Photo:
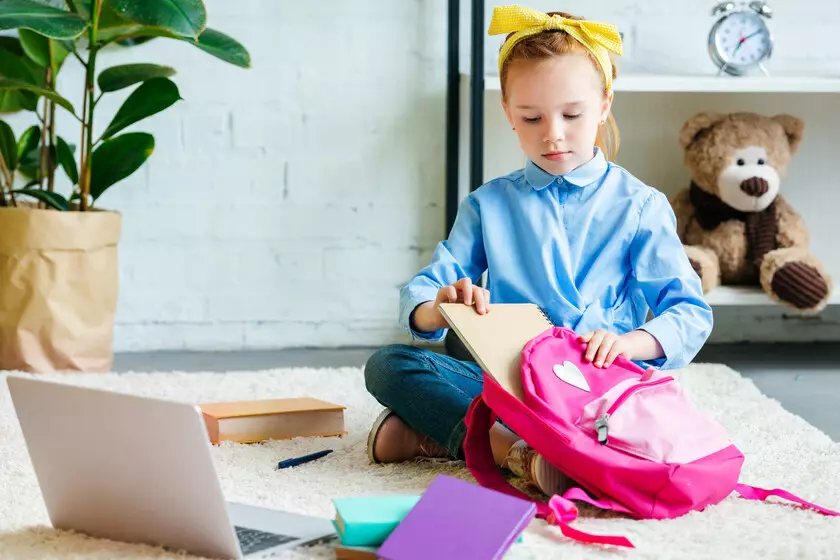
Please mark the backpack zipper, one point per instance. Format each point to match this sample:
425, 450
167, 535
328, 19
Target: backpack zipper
601, 423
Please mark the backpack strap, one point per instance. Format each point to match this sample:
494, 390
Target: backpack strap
580, 495
752, 493
479, 458
564, 511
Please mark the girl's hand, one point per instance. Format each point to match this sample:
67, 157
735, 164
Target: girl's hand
427, 316
464, 291
603, 347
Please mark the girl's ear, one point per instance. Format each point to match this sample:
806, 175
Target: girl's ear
606, 105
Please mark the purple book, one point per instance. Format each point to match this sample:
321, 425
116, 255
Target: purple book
455, 519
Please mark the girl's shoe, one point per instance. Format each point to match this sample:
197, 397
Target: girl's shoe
526, 463
393, 441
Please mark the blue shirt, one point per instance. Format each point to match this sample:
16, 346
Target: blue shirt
595, 248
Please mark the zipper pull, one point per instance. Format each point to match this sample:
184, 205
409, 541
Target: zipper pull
601, 428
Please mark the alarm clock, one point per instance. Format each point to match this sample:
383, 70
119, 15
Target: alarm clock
740, 40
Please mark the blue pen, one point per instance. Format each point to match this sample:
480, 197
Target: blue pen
305, 459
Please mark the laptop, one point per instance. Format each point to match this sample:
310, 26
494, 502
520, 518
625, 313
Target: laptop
140, 470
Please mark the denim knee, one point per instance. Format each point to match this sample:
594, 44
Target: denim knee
384, 367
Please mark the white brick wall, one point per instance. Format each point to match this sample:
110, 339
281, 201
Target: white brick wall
285, 204
670, 37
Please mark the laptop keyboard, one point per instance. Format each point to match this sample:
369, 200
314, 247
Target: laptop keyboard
252, 540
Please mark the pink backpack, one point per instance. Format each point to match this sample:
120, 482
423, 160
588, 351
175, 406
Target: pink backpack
629, 437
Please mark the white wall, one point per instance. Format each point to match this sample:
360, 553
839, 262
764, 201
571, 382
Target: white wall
285, 204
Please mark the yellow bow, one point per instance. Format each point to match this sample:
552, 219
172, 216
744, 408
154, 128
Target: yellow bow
524, 22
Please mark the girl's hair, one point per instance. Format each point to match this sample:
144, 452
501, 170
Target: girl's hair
556, 43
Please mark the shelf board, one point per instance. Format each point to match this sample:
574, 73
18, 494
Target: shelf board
747, 295
658, 83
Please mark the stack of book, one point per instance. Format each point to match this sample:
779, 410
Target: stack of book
452, 519
364, 522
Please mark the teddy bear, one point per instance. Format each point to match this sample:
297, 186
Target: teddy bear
736, 227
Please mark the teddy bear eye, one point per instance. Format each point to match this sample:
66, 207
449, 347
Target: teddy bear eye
760, 161
740, 161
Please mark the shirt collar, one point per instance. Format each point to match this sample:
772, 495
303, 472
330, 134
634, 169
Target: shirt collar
584, 175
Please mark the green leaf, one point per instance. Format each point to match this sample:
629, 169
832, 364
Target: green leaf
81, 7
53, 199
64, 155
131, 31
224, 48
29, 140
46, 20
43, 50
36, 46
118, 158
182, 17
151, 97
8, 146
119, 77
211, 41
12, 67
11, 44
134, 41
15, 85
30, 165
29, 153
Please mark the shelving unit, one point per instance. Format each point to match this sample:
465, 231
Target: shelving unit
650, 109
746, 296
658, 83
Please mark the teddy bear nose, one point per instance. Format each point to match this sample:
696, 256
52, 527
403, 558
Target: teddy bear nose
755, 186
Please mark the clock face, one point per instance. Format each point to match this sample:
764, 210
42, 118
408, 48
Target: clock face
742, 39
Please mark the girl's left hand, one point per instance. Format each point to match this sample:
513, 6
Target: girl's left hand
603, 347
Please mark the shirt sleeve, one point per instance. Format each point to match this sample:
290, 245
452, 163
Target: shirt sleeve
461, 255
682, 319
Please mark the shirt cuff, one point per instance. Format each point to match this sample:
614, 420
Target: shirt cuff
666, 334
414, 298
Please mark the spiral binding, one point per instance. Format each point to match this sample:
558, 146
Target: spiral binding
547, 316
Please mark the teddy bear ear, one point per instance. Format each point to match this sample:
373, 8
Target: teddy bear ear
696, 125
794, 129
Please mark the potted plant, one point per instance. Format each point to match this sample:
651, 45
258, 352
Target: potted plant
58, 251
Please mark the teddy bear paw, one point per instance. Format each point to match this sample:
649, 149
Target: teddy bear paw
800, 285
698, 268
705, 263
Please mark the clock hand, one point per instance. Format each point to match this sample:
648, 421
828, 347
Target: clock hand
743, 40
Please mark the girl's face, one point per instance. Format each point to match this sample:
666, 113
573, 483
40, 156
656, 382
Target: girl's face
556, 106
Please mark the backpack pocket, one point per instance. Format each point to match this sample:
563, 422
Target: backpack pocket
653, 420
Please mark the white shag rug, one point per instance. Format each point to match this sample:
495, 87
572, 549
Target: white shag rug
782, 450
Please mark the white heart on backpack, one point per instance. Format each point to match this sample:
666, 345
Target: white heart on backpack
570, 373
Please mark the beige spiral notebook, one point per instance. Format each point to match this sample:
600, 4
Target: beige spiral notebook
496, 339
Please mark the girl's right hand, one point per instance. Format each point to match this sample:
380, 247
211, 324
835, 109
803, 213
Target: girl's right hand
427, 316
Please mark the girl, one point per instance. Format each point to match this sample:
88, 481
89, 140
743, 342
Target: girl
574, 233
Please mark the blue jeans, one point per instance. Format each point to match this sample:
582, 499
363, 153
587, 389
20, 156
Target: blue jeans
431, 392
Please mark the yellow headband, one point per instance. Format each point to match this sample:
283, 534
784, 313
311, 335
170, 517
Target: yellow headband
525, 22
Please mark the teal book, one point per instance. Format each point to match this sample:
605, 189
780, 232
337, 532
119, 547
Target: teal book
368, 520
